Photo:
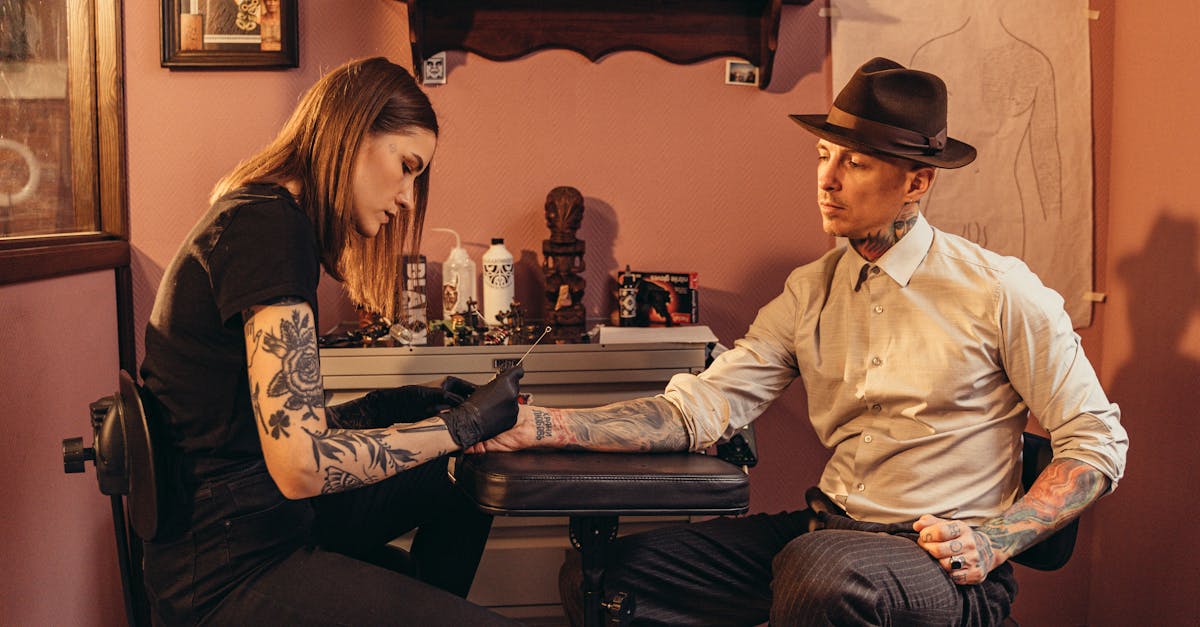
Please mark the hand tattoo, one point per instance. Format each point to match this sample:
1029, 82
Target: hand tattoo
987, 557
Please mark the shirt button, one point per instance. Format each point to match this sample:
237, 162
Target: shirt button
876, 361
878, 308
874, 269
867, 438
861, 487
877, 408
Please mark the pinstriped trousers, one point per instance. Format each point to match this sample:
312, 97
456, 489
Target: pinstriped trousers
748, 570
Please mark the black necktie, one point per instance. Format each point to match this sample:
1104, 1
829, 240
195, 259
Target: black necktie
862, 276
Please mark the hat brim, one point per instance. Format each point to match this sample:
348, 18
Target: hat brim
956, 154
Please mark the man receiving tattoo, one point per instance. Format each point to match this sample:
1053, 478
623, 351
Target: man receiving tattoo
284, 507
922, 355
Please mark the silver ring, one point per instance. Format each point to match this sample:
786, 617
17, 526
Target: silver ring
957, 563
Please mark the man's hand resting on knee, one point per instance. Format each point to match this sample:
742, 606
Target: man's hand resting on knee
963, 552
1065, 488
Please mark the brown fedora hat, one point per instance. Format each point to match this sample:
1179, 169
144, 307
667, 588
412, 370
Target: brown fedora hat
893, 110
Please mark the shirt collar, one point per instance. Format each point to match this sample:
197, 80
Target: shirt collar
901, 260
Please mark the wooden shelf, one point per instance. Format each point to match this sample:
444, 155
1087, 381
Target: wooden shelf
679, 31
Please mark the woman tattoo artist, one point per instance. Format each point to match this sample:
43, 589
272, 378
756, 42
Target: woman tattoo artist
285, 506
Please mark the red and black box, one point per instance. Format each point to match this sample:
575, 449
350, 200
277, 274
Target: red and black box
665, 298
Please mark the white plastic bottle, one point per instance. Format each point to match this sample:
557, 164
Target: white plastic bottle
458, 278
497, 281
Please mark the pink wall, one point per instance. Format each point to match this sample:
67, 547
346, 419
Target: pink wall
679, 172
58, 563
1146, 552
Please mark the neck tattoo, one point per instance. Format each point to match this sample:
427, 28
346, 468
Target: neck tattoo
875, 244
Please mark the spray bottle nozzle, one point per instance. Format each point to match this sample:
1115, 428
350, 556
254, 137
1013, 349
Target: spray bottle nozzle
457, 240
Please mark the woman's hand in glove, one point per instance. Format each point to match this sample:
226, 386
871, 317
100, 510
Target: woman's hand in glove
381, 408
490, 410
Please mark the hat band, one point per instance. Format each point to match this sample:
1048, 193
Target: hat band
886, 137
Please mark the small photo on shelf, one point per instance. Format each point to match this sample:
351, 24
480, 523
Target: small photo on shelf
741, 73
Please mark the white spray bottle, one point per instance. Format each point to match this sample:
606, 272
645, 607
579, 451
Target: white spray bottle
498, 289
458, 278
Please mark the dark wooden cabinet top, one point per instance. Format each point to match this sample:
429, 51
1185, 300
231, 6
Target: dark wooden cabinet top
680, 31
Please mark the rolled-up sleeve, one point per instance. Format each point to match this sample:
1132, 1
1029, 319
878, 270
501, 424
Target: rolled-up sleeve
1046, 364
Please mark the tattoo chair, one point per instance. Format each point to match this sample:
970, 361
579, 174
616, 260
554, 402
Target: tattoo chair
127, 469
595, 489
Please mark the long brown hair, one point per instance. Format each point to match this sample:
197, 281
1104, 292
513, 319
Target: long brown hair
317, 148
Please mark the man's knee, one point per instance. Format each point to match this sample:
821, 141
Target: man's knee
806, 573
855, 577
819, 574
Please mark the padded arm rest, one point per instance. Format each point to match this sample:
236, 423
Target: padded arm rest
533, 483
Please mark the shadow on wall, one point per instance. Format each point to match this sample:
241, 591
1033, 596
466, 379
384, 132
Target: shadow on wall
796, 57
1156, 389
599, 230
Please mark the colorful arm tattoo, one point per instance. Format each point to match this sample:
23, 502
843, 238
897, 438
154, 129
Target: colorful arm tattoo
1065, 488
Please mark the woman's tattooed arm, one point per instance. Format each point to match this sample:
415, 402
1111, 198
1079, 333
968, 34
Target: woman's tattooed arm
305, 452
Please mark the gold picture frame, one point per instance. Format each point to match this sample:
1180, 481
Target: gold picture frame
230, 34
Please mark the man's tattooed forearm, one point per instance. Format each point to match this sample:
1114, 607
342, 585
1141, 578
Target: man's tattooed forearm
543, 424
1065, 488
647, 425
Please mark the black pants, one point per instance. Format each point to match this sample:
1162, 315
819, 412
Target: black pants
748, 570
251, 556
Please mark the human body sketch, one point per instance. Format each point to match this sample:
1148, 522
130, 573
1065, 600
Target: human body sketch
1011, 116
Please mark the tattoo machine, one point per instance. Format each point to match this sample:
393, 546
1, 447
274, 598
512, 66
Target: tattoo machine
523, 398
532, 346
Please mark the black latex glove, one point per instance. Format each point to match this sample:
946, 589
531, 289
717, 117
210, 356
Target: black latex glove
459, 387
491, 410
381, 408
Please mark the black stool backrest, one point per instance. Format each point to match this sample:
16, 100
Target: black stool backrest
125, 455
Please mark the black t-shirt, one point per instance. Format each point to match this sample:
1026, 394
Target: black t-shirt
254, 245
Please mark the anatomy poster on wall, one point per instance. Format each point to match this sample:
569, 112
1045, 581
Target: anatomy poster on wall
1018, 75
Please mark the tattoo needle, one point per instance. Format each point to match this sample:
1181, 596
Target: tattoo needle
535, 343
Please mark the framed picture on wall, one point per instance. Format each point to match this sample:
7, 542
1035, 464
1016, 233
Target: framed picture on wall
230, 34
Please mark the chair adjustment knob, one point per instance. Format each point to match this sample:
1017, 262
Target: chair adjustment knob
75, 454
619, 607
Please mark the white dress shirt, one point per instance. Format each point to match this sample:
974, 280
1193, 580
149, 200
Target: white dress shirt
919, 381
